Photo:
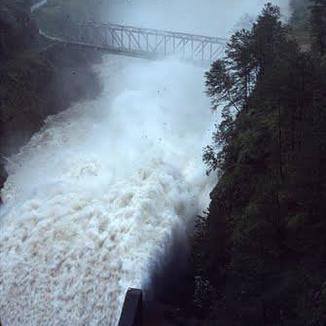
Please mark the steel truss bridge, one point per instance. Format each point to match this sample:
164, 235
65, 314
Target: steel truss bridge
146, 42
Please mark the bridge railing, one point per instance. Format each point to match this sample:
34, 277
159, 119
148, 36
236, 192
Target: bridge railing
148, 42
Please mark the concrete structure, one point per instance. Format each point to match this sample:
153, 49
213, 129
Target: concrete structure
132, 311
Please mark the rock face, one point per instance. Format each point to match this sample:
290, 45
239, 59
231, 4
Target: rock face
37, 78
18, 30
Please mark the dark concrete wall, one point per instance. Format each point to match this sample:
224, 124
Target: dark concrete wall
132, 311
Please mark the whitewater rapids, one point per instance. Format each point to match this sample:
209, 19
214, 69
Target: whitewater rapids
93, 201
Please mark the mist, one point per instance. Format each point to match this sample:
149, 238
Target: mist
207, 17
94, 202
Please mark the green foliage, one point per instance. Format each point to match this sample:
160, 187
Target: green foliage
66, 14
318, 25
36, 78
17, 30
24, 74
265, 230
300, 20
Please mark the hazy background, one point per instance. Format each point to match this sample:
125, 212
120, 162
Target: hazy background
210, 17
97, 198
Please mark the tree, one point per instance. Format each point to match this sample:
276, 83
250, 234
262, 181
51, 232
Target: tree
265, 226
318, 25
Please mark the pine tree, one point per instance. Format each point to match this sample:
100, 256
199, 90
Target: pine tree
318, 25
266, 222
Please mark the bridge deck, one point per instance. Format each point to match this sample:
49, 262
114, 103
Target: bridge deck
147, 42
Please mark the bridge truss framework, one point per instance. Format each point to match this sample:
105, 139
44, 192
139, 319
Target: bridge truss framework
148, 42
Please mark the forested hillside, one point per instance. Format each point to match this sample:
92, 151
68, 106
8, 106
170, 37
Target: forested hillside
64, 13
38, 78
260, 254
300, 20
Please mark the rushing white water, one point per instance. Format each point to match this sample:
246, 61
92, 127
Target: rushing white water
94, 200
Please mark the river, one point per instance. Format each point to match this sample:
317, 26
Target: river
94, 201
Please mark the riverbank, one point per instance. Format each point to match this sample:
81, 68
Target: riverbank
38, 78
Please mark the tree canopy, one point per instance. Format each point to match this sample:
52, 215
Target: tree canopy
266, 226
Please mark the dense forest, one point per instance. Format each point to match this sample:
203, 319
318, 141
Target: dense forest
260, 252
66, 13
37, 77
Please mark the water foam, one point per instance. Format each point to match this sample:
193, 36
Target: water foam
93, 201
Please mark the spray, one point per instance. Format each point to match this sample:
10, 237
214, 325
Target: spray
94, 200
